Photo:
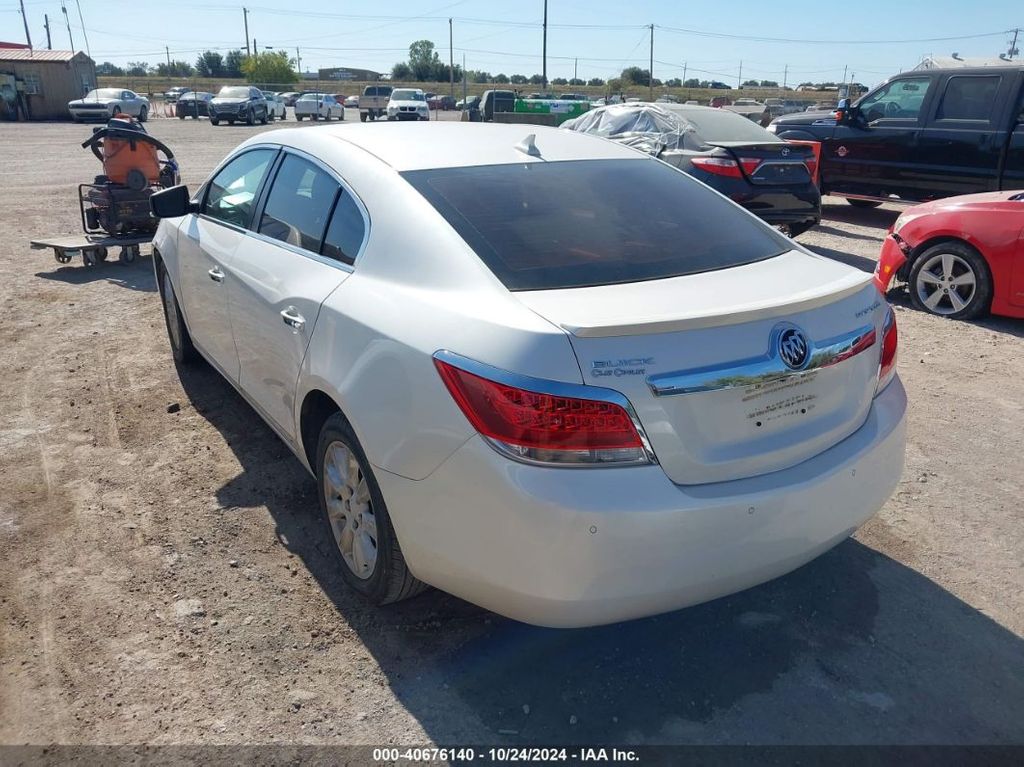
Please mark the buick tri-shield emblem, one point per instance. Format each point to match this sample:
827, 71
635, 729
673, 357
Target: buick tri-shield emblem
793, 348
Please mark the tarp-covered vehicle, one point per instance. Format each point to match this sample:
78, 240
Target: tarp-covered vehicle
769, 177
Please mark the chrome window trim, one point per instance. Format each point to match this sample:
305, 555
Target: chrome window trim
555, 389
766, 368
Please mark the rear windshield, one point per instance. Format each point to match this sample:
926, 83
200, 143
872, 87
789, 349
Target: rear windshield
541, 226
723, 125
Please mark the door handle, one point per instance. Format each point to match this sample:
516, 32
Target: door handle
292, 318
216, 274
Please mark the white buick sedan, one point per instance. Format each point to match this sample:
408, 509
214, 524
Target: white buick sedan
533, 368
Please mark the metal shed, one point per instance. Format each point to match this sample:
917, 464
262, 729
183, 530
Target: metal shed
43, 81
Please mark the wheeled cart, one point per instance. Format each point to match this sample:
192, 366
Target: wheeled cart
93, 248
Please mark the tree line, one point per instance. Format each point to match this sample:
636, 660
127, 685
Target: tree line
265, 67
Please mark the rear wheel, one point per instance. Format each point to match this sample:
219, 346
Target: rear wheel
143, 114
250, 118
265, 118
213, 121
362, 117
298, 118
863, 203
181, 342
357, 518
951, 279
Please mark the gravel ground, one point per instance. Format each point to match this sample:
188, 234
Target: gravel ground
164, 578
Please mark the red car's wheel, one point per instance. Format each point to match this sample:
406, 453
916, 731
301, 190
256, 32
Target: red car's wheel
951, 279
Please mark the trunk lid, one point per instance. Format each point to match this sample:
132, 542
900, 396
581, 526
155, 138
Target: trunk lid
700, 359
770, 162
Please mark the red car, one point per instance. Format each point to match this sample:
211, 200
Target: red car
961, 256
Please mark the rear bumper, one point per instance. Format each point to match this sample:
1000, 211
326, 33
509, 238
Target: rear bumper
578, 547
784, 204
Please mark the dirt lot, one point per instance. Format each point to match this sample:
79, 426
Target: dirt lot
163, 578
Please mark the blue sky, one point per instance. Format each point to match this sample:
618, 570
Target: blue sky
603, 35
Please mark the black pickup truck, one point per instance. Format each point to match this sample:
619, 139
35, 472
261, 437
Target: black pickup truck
921, 135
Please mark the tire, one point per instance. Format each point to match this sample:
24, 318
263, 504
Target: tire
952, 280
182, 348
362, 117
863, 203
284, 114
143, 114
795, 230
327, 117
387, 578
298, 118
181, 116
266, 118
214, 121
250, 118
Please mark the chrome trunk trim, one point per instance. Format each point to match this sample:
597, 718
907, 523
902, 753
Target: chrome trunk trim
764, 369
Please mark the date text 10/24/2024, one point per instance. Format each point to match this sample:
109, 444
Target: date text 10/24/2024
503, 754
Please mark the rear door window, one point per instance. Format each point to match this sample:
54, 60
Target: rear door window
346, 231
969, 97
547, 225
299, 203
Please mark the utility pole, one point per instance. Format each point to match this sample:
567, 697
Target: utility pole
64, 10
451, 59
255, 50
298, 61
650, 72
24, 18
739, 80
49, 44
85, 34
845, 67
245, 16
684, 72
785, 76
465, 85
575, 69
168, 50
1013, 46
544, 65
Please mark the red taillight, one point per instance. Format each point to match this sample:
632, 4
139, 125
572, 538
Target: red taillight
750, 164
720, 166
812, 165
890, 340
541, 426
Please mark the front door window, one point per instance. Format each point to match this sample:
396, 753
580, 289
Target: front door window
899, 100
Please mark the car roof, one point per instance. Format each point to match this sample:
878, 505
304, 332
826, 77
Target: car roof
421, 146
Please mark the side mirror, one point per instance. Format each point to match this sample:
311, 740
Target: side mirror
843, 111
172, 203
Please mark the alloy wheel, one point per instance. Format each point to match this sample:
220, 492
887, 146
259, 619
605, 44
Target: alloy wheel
350, 509
946, 284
